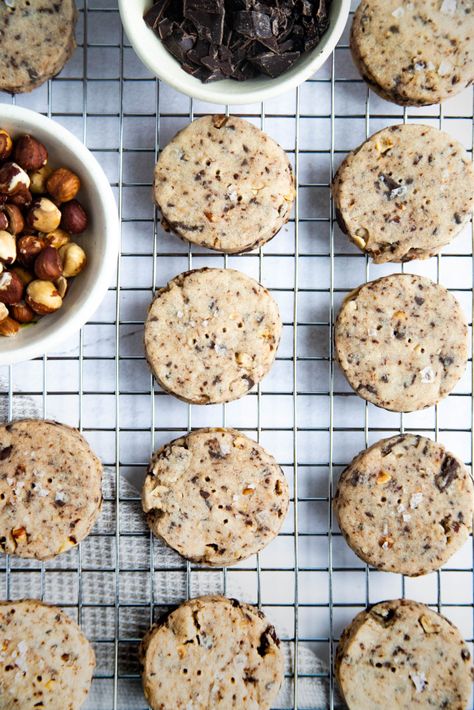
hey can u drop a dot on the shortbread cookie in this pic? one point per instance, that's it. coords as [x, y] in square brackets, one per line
[414, 53]
[211, 334]
[215, 496]
[211, 652]
[45, 659]
[224, 184]
[405, 505]
[402, 342]
[401, 654]
[404, 193]
[36, 41]
[50, 488]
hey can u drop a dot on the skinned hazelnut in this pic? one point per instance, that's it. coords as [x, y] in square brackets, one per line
[13, 179]
[25, 276]
[21, 312]
[38, 179]
[48, 265]
[63, 185]
[73, 259]
[16, 223]
[11, 288]
[30, 153]
[9, 327]
[6, 144]
[74, 218]
[28, 248]
[44, 215]
[61, 285]
[3, 312]
[7, 247]
[58, 238]
[43, 297]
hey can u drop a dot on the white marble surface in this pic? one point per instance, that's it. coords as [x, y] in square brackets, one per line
[78, 384]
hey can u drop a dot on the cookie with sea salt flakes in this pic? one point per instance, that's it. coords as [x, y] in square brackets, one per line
[212, 652]
[215, 496]
[405, 505]
[404, 193]
[211, 334]
[45, 659]
[50, 488]
[36, 41]
[402, 342]
[414, 53]
[224, 184]
[402, 654]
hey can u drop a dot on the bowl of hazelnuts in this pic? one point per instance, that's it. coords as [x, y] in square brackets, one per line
[59, 234]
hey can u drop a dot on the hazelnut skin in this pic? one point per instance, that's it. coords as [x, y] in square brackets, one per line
[73, 259]
[48, 265]
[29, 153]
[43, 297]
[44, 215]
[28, 248]
[22, 313]
[7, 248]
[74, 218]
[3, 220]
[6, 144]
[11, 288]
[63, 185]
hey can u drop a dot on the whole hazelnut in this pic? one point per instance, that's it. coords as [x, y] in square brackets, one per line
[13, 179]
[43, 297]
[28, 248]
[7, 248]
[44, 215]
[25, 276]
[58, 238]
[38, 179]
[73, 259]
[63, 185]
[9, 327]
[16, 223]
[6, 144]
[74, 218]
[48, 265]
[30, 153]
[22, 198]
[11, 288]
[21, 312]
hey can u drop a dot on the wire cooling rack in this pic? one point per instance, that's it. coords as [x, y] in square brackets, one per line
[307, 581]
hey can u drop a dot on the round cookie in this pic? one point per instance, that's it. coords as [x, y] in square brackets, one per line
[50, 488]
[401, 654]
[414, 53]
[211, 334]
[215, 496]
[402, 342]
[211, 652]
[45, 659]
[37, 39]
[224, 184]
[404, 193]
[405, 505]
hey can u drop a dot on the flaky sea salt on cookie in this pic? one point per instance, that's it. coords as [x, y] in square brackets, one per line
[405, 505]
[211, 334]
[45, 659]
[50, 488]
[215, 496]
[224, 184]
[402, 342]
[211, 652]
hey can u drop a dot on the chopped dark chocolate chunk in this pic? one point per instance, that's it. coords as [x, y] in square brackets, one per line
[238, 39]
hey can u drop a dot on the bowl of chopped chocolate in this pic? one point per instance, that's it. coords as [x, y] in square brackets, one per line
[234, 51]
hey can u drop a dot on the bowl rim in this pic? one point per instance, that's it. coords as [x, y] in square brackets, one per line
[261, 89]
[79, 316]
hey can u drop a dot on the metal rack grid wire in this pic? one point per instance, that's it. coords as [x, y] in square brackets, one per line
[307, 581]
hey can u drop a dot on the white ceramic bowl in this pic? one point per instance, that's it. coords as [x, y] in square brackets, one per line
[159, 61]
[100, 241]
